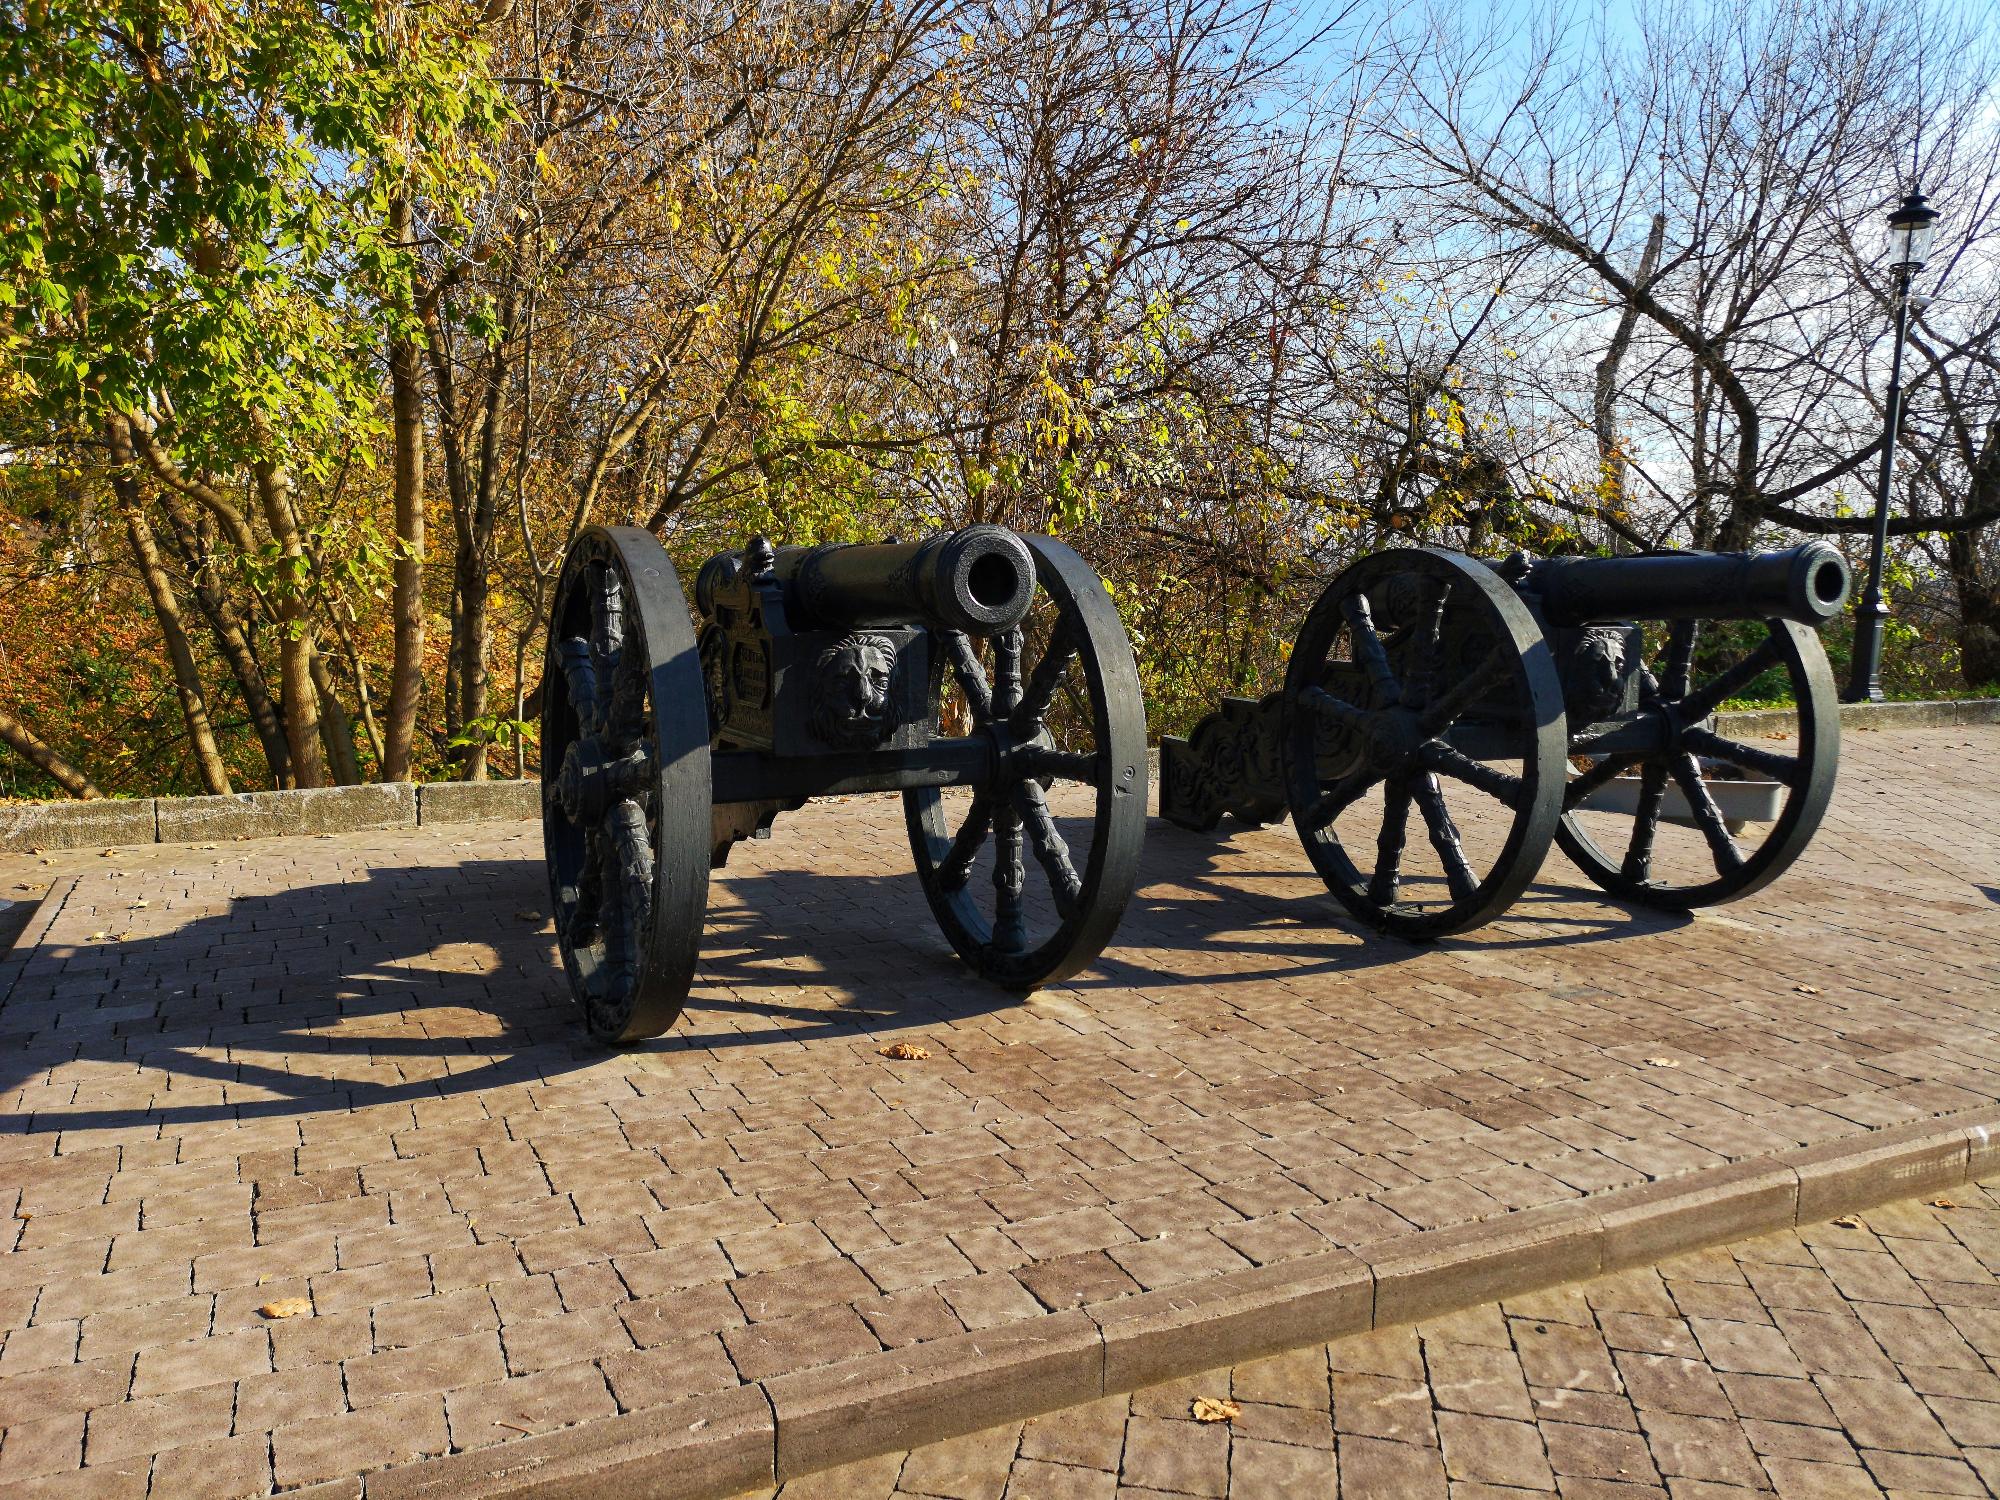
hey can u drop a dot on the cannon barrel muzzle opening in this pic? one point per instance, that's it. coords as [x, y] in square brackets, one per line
[1807, 583]
[978, 579]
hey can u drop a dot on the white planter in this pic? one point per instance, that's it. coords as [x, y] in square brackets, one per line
[1742, 802]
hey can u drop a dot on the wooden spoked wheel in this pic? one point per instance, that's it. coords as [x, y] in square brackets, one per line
[1063, 803]
[625, 783]
[1421, 684]
[1676, 847]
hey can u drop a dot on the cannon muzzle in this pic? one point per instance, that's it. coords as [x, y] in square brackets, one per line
[979, 579]
[1807, 583]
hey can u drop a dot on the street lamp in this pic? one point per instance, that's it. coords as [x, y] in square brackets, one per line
[1911, 227]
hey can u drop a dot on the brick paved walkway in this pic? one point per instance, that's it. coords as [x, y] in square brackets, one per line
[344, 1070]
[1845, 1361]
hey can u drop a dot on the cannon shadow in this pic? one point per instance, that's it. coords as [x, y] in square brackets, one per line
[424, 981]
[1195, 894]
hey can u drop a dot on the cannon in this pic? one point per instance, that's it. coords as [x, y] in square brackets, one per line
[981, 673]
[1565, 700]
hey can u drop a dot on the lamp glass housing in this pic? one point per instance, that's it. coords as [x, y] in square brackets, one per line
[1912, 227]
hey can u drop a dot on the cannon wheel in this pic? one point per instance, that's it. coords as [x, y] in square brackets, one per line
[1085, 656]
[1371, 703]
[625, 783]
[1807, 773]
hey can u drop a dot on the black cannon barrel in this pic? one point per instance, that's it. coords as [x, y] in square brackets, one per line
[979, 579]
[1807, 583]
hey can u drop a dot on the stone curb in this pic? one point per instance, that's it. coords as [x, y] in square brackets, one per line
[110, 822]
[780, 1429]
[348, 809]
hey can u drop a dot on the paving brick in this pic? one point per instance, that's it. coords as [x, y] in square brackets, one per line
[1204, 1107]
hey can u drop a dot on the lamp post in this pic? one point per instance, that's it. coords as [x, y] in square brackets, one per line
[1910, 229]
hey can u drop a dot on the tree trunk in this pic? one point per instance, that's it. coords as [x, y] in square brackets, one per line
[1975, 580]
[336, 728]
[295, 654]
[30, 746]
[167, 610]
[1611, 459]
[474, 678]
[406, 674]
[231, 638]
[187, 677]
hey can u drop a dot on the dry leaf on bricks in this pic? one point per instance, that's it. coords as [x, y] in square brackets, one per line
[1210, 1409]
[288, 1307]
[904, 1052]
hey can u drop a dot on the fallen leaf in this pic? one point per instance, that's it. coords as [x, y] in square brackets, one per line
[904, 1052]
[1662, 1062]
[1209, 1409]
[1943, 1203]
[1847, 1221]
[1806, 989]
[97, 937]
[528, 916]
[288, 1307]
[109, 854]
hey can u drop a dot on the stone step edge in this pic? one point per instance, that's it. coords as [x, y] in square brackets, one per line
[111, 821]
[779, 1429]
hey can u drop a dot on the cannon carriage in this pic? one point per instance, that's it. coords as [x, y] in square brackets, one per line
[1564, 701]
[982, 674]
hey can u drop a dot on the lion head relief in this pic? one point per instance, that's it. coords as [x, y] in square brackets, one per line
[850, 704]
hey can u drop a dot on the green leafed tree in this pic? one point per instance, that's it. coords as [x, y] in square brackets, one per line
[205, 246]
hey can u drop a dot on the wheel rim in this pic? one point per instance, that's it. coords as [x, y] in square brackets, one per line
[1421, 674]
[1064, 709]
[1635, 866]
[625, 784]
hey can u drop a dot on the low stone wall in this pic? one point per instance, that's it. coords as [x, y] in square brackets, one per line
[195, 820]
[109, 822]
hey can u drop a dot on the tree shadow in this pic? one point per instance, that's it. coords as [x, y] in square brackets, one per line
[424, 971]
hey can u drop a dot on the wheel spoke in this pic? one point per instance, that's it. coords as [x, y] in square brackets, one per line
[1368, 650]
[1646, 823]
[1699, 704]
[1047, 765]
[1495, 783]
[581, 928]
[628, 891]
[1431, 637]
[1340, 711]
[971, 677]
[1050, 850]
[1044, 680]
[1707, 816]
[1458, 876]
[1463, 693]
[580, 678]
[1335, 800]
[625, 713]
[1598, 775]
[1389, 843]
[956, 866]
[607, 640]
[1007, 673]
[1680, 659]
[1010, 875]
[1780, 768]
